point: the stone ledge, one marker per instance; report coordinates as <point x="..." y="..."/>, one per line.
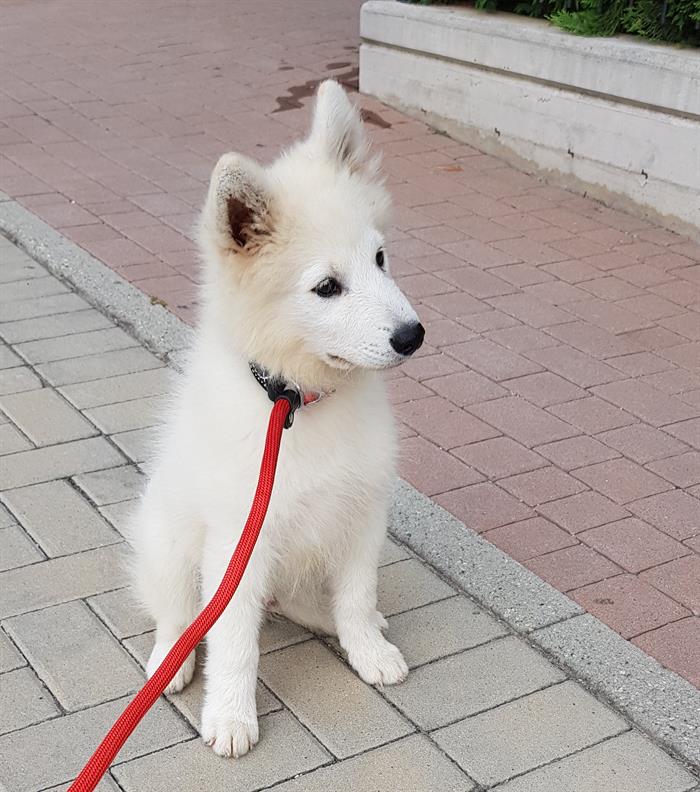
<point x="616" y="118"/>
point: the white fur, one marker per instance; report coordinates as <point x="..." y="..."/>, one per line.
<point x="317" y="211"/>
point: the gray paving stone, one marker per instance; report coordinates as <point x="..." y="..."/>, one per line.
<point x="16" y="265"/>
<point x="278" y="633"/>
<point x="392" y="552"/>
<point x="10" y="658"/>
<point x="440" y="629"/>
<point x="628" y="763"/>
<point x="17" y="549"/>
<point x="52" y="462"/>
<point x="61" y="580"/>
<point x="112" y="485"/>
<point x="408" y="584"/>
<point x="78" y="345"/>
<point x="11" y="253"/>
<point x="75" y="655"/>
<point x="45" y="417"/>
<point x="53" y="752"/>
<point x="42" y="306"/>
<point x="18" y="379"/>
<point x="139" y="444"/>
<point x="121" y="613"/>
<point x="285" y="749"/>
<point x="124" y="416"/>
<point x="53" y="326"/>
<point x="8" y="359"/>
<point x="502" y="742"/>
<point x="478" y="679"/>
<point x="12" y="440"/>
<point x="58" y="518"/>
<point x="119" y="515"/>
<point x="93" y="367"/>
<point x="6" y="518"/>
<point x="125" y="387"/>
<point x="30" y="289"/>
<point x="321" y="691"/>
<point x="24" y="700"/>
<point x="412" y="764"/>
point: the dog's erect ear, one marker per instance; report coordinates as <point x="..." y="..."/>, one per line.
<point x="237" y="212"/>
<point x="337" y="131"/>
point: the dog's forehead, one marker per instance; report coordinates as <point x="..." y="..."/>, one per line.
<point x="341" y="246"/>
<point x="312" y="193"/>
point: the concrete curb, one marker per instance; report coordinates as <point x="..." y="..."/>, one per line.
<point x="653" y="698"/>
<point x="486" y="573"/>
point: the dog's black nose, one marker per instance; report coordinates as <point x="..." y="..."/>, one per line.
<point x="408" y="338"/>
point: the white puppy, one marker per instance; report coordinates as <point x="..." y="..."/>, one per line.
<point x="297" y="283"/>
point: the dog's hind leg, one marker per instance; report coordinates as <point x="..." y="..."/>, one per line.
<point x="167" y="546"/>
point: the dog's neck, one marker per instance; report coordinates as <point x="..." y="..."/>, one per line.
<point x="307" y="377"/>
<point x="275" y="386"/>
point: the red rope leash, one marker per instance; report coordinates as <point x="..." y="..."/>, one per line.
<point x="100" y="761"/>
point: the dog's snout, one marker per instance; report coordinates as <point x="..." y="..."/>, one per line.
<point x="408" y="338"/>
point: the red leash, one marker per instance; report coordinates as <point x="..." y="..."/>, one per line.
<point x="100" y="761"/>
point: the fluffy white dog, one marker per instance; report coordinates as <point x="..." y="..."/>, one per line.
<point x="297" y="288"/>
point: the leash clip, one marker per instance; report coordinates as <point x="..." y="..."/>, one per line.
<point x="293" y="397"/>
<point x="276" y="388"/>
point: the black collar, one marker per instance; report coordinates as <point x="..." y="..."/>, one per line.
<point x="273" y="386"/>
<point x="277" y="389"/>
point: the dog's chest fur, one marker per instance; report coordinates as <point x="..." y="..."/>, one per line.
<point x="335" y="461"/>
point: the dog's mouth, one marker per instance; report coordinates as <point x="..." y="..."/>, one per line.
<point x="378" y="364"/>
<point x="338" y="362"/>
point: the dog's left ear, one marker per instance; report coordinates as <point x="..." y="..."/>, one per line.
<point x="237" y="212"/>
<point x="337" y="131"/>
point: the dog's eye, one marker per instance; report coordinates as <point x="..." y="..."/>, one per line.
<point x="328" y="288"/>
<point x="379" y="258"/>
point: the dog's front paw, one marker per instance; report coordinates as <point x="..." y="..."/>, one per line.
<point x="228" y="736"/>
<point x="379" y="663"/>
<point x="182" y="677"/>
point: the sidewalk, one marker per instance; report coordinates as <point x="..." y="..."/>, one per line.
<point x="482" y="708"/>
<point x="555" y="407"/>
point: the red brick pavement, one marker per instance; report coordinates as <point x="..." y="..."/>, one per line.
<point x="555" y="407"/>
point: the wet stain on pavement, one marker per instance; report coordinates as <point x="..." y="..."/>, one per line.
<point x="295" y="93"/>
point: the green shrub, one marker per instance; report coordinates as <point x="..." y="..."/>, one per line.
<point x="661" y="20"/>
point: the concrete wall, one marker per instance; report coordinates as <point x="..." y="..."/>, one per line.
<point x="616" y="118"/>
